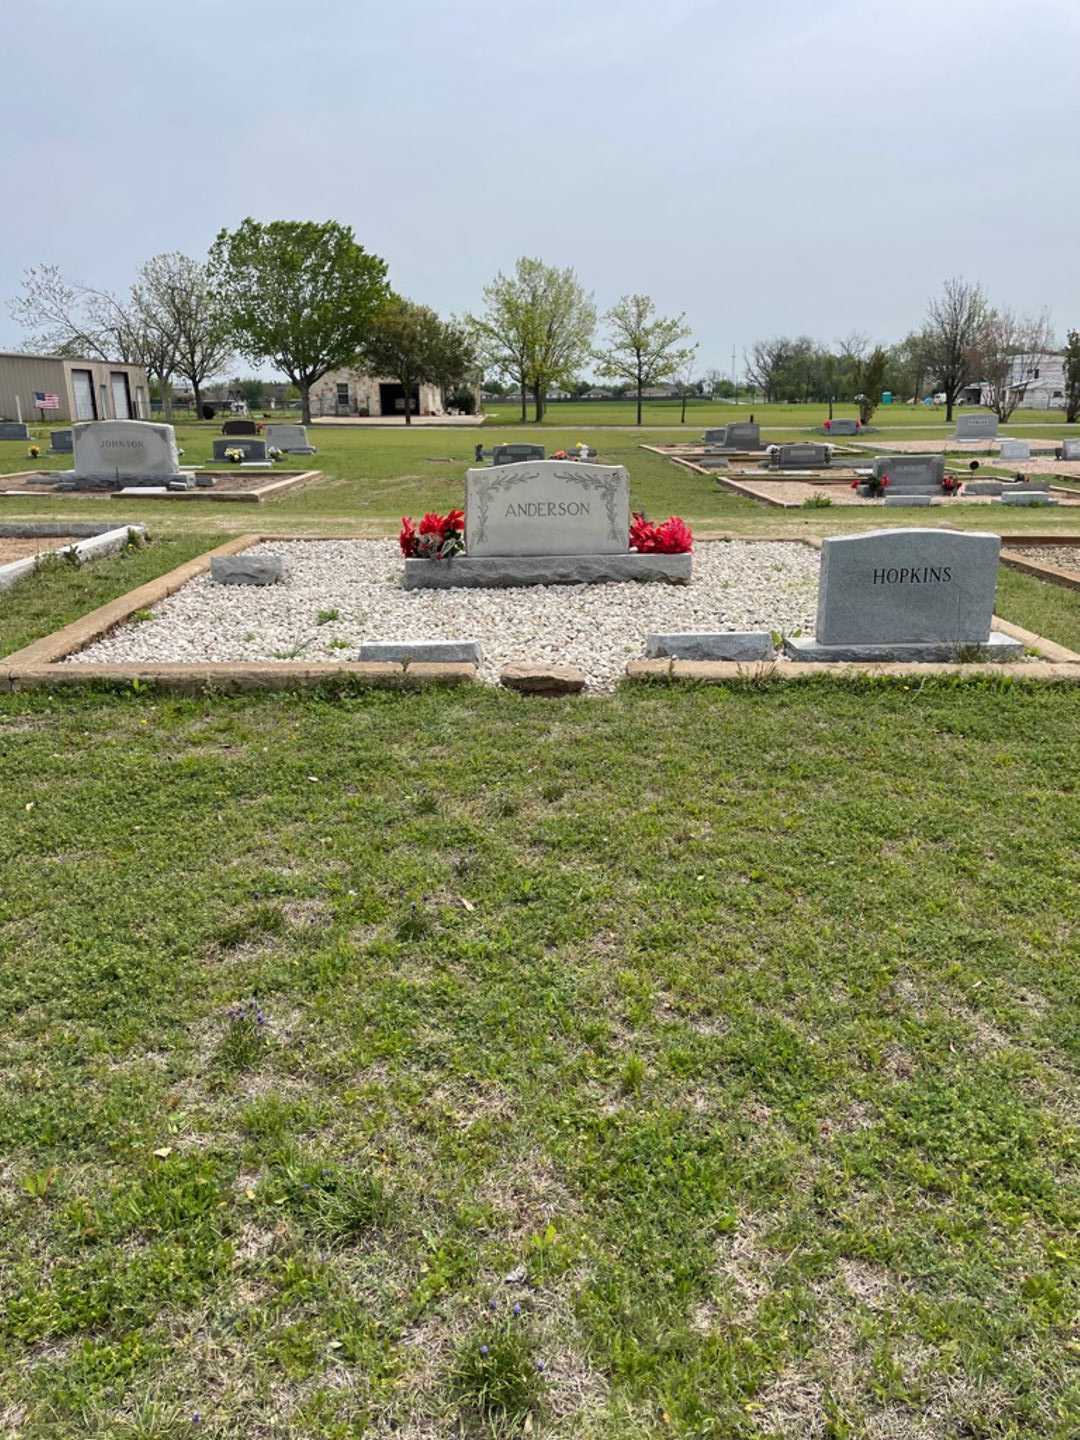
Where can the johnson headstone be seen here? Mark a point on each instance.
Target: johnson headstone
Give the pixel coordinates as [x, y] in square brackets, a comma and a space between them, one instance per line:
[128, 452]
[547, 507]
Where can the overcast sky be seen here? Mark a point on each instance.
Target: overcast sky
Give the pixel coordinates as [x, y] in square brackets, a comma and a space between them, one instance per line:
[766, 166]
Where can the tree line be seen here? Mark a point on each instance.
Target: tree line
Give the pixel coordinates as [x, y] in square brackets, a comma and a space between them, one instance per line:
[306, 298]
[963, 341]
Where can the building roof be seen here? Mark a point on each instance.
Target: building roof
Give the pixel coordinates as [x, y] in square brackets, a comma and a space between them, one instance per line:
[77, 359]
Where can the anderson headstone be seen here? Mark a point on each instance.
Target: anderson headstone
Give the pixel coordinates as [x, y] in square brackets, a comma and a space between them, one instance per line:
[547, 507]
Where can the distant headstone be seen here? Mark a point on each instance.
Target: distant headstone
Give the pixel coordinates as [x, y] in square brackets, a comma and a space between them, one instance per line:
[292, 439]
[803, 455]
[976, 427]
[843, 427]
[14, 430]
[905, 594]
[60, 442]
[547, 507]
[239, 427]
[1070, 450]
[512, 454]
[1026, 497]
[253, 449]
[1015, 450]
[739, 435]
[114, 453]
[911, 474]
[892, 501]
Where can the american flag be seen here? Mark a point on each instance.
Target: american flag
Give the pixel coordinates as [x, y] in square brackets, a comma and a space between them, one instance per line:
[46, 402]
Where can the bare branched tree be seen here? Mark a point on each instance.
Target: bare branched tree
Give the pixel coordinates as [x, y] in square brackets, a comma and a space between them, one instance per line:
[183, 306]
[1011, 348]
[766, 363]
[953, 338]
[74, 320]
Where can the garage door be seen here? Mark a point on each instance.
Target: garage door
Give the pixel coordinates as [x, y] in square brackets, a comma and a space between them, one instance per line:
[120, 398]
[82, 385]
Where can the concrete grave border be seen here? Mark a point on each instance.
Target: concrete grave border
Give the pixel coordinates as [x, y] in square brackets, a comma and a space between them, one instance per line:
[1069, 579]
[97, 541]
[36, 666]
[290, 480]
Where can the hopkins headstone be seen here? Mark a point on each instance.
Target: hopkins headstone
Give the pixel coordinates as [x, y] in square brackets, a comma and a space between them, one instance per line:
[253, 449]
[1015, 450]
[124, 452]
[547, 507]
[290, 438]
[976, 427]
[905, 594]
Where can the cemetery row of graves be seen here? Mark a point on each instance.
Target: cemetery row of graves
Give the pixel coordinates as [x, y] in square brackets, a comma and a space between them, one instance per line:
[406, 1055]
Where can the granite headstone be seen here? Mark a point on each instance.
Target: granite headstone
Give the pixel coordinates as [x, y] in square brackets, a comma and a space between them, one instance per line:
[547, 507]
[803, 455]
[239, 427]
[14, 430]
[131, 452]
[292, 439]
[976, 427]
[1015, 450]
[253, 449]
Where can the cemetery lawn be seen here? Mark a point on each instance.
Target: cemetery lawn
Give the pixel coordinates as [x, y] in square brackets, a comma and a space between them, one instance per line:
[693, 1062]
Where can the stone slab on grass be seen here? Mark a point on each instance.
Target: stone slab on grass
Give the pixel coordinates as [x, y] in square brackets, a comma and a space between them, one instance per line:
[907, 501]
[1027, 497]
[505, 571]
[247, 569]
[711, 645]
[543, 679]
[446, 652]
[997, 647]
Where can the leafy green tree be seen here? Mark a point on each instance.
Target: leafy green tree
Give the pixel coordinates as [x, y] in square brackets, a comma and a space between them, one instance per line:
[536, 328]
[299, 294]
[870, 378]
[412, 345]
[643, 348]
[1072, 377]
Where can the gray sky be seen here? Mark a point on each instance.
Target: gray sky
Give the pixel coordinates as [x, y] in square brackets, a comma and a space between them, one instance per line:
[768, 166]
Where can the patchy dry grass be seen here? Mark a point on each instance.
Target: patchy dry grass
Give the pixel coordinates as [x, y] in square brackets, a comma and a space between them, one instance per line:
[739, 1100]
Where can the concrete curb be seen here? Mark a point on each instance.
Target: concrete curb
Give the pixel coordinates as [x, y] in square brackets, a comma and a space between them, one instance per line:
[93, 547]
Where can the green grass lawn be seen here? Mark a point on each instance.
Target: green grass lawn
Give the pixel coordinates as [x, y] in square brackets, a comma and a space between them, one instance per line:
[693, 1063]
[373, 477]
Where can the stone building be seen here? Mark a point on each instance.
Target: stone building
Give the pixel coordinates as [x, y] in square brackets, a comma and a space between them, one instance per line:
[348, 392]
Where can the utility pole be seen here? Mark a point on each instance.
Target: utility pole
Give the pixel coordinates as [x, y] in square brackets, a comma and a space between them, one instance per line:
[734, 377]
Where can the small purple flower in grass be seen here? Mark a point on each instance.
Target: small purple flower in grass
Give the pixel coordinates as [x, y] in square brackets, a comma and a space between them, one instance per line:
[483, 1349]
[540, 1365]
[517, 1308]
[196, 1419]
[493, 1304]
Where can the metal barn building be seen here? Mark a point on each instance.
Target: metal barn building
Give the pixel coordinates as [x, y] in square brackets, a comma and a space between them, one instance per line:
[84, 389]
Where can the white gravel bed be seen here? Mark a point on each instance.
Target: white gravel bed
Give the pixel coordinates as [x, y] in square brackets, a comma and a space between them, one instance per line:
[737, 585]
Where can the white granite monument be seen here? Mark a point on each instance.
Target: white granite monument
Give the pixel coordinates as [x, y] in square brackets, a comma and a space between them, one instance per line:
[114, 454]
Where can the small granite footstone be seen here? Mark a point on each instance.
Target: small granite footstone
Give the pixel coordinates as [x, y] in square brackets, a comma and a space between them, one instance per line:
[204, 482]
[438, 651]
[184, 483]
[543, 679]
[711, 645]
[995, 647]
[908, 500]
[1027, 497]
[247, 569]
[984, 487]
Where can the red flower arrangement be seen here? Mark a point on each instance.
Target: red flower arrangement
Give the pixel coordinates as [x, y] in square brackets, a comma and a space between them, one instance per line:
[436, 538]
[673, 537]
[950, 484]
[875, 484]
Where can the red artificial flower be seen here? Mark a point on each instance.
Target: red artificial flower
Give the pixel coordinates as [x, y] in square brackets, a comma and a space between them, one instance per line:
[855, 483]
[826, 424]
[885, 481]
[673, 537]
[407, 537]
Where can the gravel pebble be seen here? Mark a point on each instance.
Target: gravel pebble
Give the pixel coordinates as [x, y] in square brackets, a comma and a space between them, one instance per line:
[737, 585]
